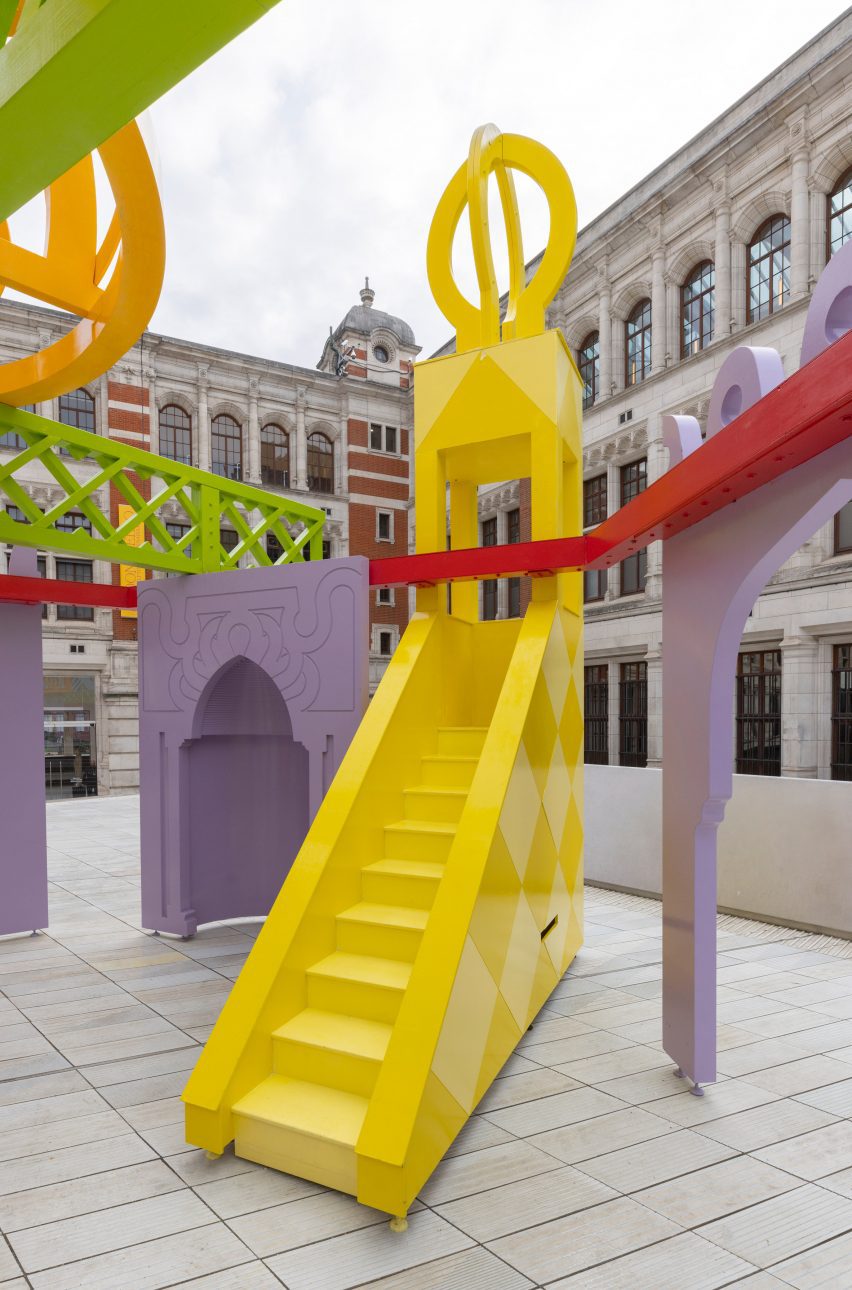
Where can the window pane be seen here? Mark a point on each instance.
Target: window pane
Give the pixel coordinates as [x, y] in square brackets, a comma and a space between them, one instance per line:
[274, 457]
[390, 439]
[175, 434]
[77, 409]
[697, 309]
[843, 529]
[320, 463]
[74, 571]
[594, 501]
[638, 344]
[769, 268]
[589, 364]
[226, 448]
[841, 713]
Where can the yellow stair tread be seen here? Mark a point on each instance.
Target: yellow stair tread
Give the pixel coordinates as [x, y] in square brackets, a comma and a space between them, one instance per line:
[480, 730]
[392, 974]
[307, 1108]
[388, 915]
[422, 826]
[337, 1032]
[440, 790]
[407, 868]
[445, 756]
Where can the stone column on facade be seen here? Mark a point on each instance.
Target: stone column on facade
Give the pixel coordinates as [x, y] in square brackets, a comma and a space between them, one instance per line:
[301, 479]
[341, 476]
[604, 332]
[654, 662]
[657, 459]
[613, 502]
[819, 250]
[800, 231]
[799, 709]
[738, 283]
[673, 328]
[617, 354]
[202, 435]
[253, 445]
[659, 345]
[722, 272]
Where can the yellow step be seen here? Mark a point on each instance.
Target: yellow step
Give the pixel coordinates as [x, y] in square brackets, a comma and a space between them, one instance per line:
[461, 740]
[386, 931]
[402, 882]
[359, 985]
[331, 1048]
[419, 840]
[431, 802]
[301, 1128]
[445, 771]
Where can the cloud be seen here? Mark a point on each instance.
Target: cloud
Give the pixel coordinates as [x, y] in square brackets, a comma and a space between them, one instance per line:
[312, 150]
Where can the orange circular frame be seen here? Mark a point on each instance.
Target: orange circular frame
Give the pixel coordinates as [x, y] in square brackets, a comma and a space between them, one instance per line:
[74, 272]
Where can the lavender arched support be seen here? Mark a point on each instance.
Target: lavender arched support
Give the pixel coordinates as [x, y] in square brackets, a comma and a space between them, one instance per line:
[714, 572]
[251, 686]
[23, 851]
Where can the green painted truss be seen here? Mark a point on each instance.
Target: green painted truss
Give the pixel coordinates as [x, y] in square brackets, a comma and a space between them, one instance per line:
[195, 503]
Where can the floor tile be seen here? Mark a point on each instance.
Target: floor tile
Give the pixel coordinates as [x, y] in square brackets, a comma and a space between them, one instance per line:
[758, 1056]
[474, 1269]
[715, 1191]
[480, 1170]
[609, 1066]
[554, 1112]
[764, 1125]
[566, 1245]
[85, 1195]
[605, 1133]
[513, 1089]
[651, 1162]
[71, 1239]
[797, 1077]
[248, 1192]
[351, 1260]
[152, 1265]
[303, 1221]
[782, 1227]
[812, 1155]
[662, 1267]
[489, 1214]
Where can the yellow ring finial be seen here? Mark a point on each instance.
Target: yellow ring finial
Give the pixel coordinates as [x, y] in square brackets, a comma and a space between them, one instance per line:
[501, 153]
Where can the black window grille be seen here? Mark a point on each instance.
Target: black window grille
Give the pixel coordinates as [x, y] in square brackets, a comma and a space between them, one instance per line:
[633, 715]
[589, 364]
[175, 434]
[597, 714]
[513, 534]
[697, 309]
[75, 571]
[489, 586]
[320, 463]
[841, 713]
[759, 713]
[769, 268]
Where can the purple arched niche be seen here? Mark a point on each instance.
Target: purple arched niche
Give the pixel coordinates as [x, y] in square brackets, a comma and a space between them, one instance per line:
[714, 572]
[245, 797]
[232, 664]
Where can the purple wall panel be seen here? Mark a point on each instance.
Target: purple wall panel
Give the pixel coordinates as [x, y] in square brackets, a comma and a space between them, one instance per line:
[23, 845]
[251, 686]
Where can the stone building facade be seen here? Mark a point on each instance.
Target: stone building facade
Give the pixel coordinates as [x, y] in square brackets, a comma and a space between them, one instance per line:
[336, 436]
[719, 246]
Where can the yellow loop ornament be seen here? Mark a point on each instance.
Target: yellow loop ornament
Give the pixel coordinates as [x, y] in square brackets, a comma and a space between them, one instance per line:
[491, 151]
[73, 274]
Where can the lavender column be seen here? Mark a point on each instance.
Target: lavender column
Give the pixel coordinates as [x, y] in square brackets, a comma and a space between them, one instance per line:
[23, 851]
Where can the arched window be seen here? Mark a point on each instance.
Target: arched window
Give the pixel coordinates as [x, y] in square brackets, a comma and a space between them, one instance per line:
[320, 463]
[840, 214]
[589, 363]
[769, 268]
[227, 447]
[274, 456]
[77, 409]
[637, 344]
[697, 308]
[175, 434]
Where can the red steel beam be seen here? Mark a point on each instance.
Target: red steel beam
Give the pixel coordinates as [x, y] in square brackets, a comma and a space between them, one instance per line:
[480, 562]
[36, 591]
[802, 417]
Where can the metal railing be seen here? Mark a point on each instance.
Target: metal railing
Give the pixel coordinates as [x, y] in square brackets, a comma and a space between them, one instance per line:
[198, 502]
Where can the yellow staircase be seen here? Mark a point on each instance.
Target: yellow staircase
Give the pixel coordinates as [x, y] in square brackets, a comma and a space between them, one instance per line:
[437, 898]
[306, 1116]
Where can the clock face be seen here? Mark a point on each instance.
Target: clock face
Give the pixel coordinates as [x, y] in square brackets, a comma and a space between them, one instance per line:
[380, 353]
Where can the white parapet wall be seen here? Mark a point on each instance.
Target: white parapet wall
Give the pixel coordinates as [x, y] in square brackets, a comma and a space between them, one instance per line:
[785, 847]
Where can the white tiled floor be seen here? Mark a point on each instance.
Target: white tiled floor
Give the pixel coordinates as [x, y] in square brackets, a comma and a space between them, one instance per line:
[588, 1166]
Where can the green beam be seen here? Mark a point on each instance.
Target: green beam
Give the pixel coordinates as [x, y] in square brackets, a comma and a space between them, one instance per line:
[78, 70]
[204, 503]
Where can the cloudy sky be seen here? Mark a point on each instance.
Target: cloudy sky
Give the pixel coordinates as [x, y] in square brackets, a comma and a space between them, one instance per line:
[312, 150]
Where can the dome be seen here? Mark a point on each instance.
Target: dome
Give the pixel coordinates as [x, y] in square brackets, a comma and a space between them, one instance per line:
[364, 319]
